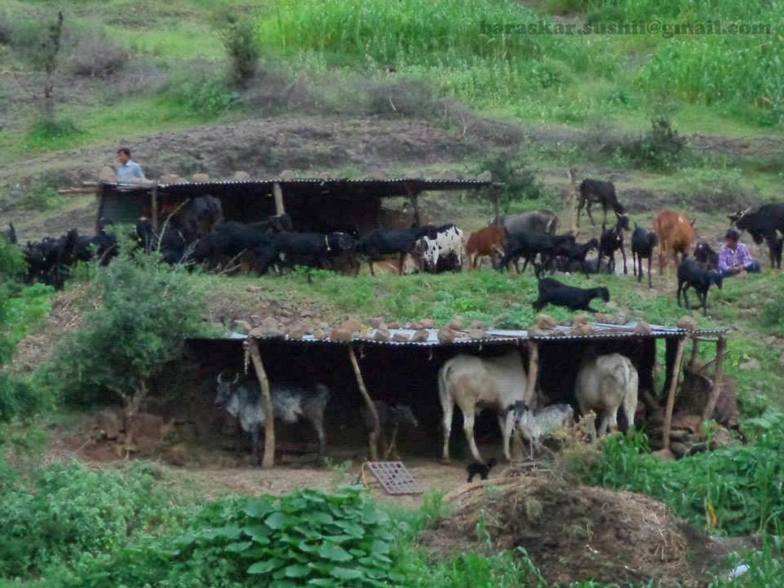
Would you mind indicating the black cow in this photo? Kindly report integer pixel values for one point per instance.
(765, 224)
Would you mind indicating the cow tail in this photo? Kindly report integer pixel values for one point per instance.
(443, 391)
(630, 398)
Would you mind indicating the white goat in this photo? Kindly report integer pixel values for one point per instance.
(533, 425)
(605, 383)
(475, 383)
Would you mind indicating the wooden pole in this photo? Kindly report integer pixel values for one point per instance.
(415, 203)
(277, 193)
(674, 374)
(721, 345)
(531, 398)
(695, 348)
(266, 397)
(375, 434)
(154, 206)
(571, 201)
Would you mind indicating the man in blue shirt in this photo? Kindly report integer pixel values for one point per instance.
(128, 171)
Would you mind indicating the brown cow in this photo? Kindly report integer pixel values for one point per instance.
(676, 234)
(488, 242)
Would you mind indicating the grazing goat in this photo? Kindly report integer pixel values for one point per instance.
(570, 256)
(390, 418)
(529, 245)
(604, 384)
(599, 192)
(480, 469)
(533, 425)
(612, 241)
(691, 275)
(474, 383)
(540, 221)
(764, 224)
(488, 242)
(676, 235)
(442, 250)
(554, 292)
(290, 403)
(388, 241)
(643, 244)
(706, 256)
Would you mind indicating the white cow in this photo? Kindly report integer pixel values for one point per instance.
(604, 384)
(447, 246)
(476, 383)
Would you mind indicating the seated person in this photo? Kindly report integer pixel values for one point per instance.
(734, 257)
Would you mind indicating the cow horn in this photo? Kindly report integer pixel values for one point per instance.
(236, 379)
(220, 378)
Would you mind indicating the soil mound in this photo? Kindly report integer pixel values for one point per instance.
(573, 533)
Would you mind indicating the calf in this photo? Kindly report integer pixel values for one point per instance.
(390, 418)
(603, 385)
(600, 192)
(764, 224)
(381, 242)
(442, 250)
(643, 244)
(573, 255)
(290, 403)
(692, 275)
(488, 242)
(706, 256)
(554, 292)
(676, 234)
(536, 424)
(612, 241)
(529, 245)
(475, 383)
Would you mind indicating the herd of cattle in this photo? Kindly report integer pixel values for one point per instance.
(604, 384)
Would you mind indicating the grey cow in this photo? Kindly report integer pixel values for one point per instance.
(290, 403)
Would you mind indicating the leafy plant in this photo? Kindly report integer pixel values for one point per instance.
(659, 148)
(202, 92)
(518, 182)
(773, 315)
(238, 35)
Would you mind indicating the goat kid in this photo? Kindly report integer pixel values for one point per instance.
(612, 241)
(692, 275)
(534, 425)
(480, 469)
(390, 418)
(554, 292)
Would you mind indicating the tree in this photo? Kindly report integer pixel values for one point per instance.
(239, 38)
(517, 181)
(149, 309)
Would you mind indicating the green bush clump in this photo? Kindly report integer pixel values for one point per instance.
(238, 35)
(69, 510)
(660, 148)
(305, 538)
(773, 315)
(202, 92)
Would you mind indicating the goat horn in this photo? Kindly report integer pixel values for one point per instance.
(220, 378)
(236, 379)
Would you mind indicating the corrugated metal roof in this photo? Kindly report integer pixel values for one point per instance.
(400, 186)
(600, 331)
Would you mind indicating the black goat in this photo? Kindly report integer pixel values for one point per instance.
(691, 275)
(312, 249)
(388, 241)
(48, 260)
(764, 224)
(554, 292)
(643, 244)
(230, 240)
(570, 256)
(480, 469)
(612, 241)
(598, 192)
(706, 256)
(528, 245)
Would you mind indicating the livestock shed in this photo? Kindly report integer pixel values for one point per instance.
(314, 204)
(402, 369)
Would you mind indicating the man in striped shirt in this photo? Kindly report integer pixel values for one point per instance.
(734, 257)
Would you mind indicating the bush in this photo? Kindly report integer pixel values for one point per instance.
(41, 194)
(68, 511)
(202, 92)
(98, 57)
(149, 309)
(773, 315)
(519, 182)
(239, 38)
(659, 148)
(49, 133)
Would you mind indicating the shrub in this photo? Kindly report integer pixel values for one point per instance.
(98, 57)
(773, 315)
(202, 92)
(238, 35)
(67, 511)
(660, 148)
(149, 309)
(49, 133)
(519, 182)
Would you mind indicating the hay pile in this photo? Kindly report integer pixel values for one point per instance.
(573, 533)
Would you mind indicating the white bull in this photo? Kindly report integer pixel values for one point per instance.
(476, 383)
(604, 384)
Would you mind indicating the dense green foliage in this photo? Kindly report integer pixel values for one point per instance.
(148, 311)
(69, 511)
(773, 316)
(239, 38)
(740, 484)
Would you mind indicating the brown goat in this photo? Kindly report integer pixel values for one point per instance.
(488, 242)
(676, 234)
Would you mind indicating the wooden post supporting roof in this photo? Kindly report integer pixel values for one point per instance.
(375, 434)
(721, 345)
(266, 397)
(673, 377)
(154, 206)
(531, 397)
(277, 193)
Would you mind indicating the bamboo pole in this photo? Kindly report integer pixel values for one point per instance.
(695, 348)
(277, 193)
(674, 376)
(266, 396)
(571, 201)
(374, 435)
(154, 206)
(532, 399)
(721, 345)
